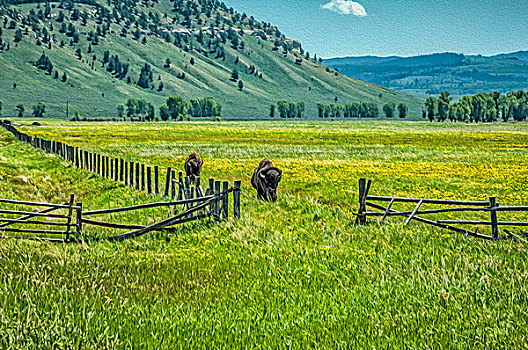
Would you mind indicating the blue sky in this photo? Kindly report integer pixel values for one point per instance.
(332, 28)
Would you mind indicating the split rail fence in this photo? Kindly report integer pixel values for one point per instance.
(490, 207)
(59, 222)
(187, 202)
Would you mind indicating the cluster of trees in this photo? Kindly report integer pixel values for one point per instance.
(38, 110)
(178, 108)
(137, 109)
(482, 107)
(287, 109)
(175, 108)
(389, 109)
(114, 66)
(349, 110)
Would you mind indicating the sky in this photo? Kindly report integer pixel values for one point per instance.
(337, 28)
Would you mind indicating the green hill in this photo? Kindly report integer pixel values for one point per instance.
(204, 41)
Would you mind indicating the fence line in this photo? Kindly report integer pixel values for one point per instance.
(196, 204)
(491, 207)
(133, 174)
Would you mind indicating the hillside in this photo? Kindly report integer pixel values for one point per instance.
(430, 74)
(204, 41)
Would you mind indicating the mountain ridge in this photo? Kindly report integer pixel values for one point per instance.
(430, 74)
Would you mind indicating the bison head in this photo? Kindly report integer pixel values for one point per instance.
(269, 178)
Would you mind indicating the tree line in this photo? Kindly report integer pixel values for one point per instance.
(482, 107)
(349, 110)
(287, 109)
(175, 108)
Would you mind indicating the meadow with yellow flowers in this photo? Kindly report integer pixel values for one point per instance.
(294, 274)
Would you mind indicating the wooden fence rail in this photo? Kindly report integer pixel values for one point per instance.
(195, 202)
(40, 226)
(491, 207)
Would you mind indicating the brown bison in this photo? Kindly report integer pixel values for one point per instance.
(7, 121)
(193, 166)
(265, 180)
(36, 124)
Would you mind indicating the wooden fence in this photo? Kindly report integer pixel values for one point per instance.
(134, 174)
(193, 201)
(490, 207)
(42, 221)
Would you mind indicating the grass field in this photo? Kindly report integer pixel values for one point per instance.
(294, 274)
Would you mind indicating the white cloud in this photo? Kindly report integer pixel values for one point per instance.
(346, 7)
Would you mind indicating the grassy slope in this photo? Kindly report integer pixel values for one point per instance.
(282, 78)
(292, 274)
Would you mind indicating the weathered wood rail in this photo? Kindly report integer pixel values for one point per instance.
(18, 221)
(195, 203)
(491, 207)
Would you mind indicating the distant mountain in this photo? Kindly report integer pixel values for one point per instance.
(430, 74)
(99, 53)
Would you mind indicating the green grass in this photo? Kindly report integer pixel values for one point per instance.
(293, 274)
(282, 78)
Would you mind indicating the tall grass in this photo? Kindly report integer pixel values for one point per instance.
(294, 274)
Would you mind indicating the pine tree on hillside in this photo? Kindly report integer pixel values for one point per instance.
(145, 76)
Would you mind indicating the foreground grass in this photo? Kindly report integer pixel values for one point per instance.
(295, 274)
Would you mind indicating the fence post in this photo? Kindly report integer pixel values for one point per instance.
(116, 170)
(173, 184)
(121, 169)
(131, 175)
(126, 173)
(168, 181)
(79, 219)
(142, 177)
(149, 180)
(198, 185)
(180, 187)
(156, 178)
(225, 201)
(363, 190)
(70, 214)
(236, 199)
(217, 199)
(137, 176)
(187, 189)
(494, 225)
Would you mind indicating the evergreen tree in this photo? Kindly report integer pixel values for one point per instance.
(240, 85)
(145, 76)
(272, 111)
(234, 74)
(18, 35)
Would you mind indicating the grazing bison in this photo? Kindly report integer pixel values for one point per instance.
(193, 166)
(36, 124)
(7, 121)
(265, 180)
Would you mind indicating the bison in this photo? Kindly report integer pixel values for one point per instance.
(7, 121)
(36, 124)
(193, 166)
(265, 180)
